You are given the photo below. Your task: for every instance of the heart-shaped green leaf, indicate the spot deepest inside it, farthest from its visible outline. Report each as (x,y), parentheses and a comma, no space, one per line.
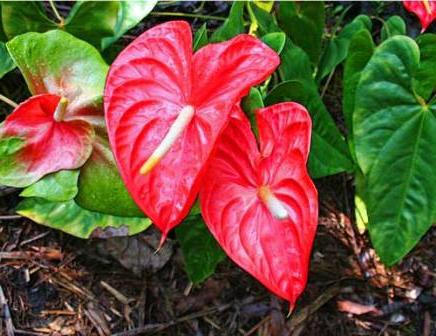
(395,25)
(304,23)
(394,134)
(275,41)
(233,25)
(425,83)
(56,187)
(71,218)
(201,252)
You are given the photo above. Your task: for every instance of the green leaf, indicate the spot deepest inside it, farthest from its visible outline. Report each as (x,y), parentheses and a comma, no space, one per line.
(19,17)
(100,186)
(264,20)
(92,21)
(394,133)
(304,23)
(395,25)
(201,252)
(55,187)
(233,25)
(250,104)
(200,38)
(58,63)
(130,13)
(337,48)
(72,219)
(329,153)
(10,145)
(275,41)
(425,83)
(6,63)
(361,50)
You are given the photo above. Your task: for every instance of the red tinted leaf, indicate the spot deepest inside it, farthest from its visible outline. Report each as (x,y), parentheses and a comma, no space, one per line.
(424,10)
(165,109)
(48,146)
(261,205)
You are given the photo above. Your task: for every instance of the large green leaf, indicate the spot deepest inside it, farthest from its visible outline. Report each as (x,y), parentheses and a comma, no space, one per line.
(337,48)
(201,252)
(233,25)
(425,83)
(395,25)
(394,134)
(361,49)
(72,219)
(100,186)
(329,153)
(304,23)
(58,63)
(6,63)
(129,15)
(55,187)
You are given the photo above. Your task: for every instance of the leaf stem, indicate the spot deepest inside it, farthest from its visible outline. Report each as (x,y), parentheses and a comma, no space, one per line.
(56,13)
(198,16)
(8,101)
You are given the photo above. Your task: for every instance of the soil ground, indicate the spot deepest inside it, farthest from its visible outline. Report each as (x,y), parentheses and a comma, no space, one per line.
(54,284)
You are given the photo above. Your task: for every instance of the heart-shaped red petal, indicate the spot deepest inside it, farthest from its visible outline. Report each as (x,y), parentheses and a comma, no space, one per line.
(261,205)
(165,108)
(424,10)
(48,145)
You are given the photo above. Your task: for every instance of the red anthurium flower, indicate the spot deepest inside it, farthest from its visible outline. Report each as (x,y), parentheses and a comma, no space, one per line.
(49,142)
(165,108)
(260,203)
(425,10)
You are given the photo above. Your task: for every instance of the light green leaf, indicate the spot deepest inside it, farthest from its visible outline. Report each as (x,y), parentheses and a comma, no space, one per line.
(100,186)
(361,49)
(250,104)
(55,187)
(72,219)
(395,25)
(10,145)
(303,22)
(425,83)
(6,63)
(201,252)
(329,153)
(200,38)
(130,13)
(233,25)
(337,48)
(275,41)
(394,133)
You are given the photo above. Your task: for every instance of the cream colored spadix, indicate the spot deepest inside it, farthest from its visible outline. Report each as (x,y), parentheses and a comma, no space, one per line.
(60,109)
(274,205)
(427,6)
(182,121)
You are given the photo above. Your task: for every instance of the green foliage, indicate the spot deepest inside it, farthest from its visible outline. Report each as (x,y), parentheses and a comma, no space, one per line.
(10,145)
(6,63)
(56,187)
(250,104)
(201,252)
(394,134)
(233,25)
(304,23)
(200,38)
(395,25)
(275,41)
(72,219)
(425,83)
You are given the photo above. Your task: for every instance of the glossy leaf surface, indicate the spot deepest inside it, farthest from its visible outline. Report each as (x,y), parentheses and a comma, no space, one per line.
(49,145)
(425,10)
(395,25)
(150,84)
(72,219)
(394,133)
(201,252)
(248,189)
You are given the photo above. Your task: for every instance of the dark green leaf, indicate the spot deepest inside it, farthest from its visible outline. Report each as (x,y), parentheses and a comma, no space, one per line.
(425,83)
(337,48)
(56,187)
(394,134)
(250,104)
(6,63)
(200,38)
(72,219)
(395,25)
(201,252)
(264,20)
(233,25)
(275,41)
(304,23)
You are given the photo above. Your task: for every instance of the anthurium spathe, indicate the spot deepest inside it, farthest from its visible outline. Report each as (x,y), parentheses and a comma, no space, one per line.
(260,203)
(165,107)
(425,10)
(49,143)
